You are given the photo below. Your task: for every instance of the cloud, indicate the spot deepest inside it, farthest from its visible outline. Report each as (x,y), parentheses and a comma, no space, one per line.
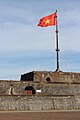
(25,47)
(19,29)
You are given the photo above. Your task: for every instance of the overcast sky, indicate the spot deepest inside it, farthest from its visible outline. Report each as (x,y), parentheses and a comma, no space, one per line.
(26,47)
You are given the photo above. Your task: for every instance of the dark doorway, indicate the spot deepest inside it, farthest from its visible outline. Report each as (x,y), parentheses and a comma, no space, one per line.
(30,88)
(48,79)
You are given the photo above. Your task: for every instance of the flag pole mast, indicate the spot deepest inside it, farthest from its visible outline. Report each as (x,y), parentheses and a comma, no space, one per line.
(57,45)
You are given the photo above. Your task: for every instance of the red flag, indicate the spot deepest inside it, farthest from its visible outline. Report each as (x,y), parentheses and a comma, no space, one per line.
(49,20)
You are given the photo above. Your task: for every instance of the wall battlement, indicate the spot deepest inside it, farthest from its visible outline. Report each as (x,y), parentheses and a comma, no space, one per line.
(49,76)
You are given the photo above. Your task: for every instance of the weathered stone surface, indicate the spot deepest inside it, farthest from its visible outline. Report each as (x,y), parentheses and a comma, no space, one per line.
(18,88)
(59,91)
(24,103)
(69,77)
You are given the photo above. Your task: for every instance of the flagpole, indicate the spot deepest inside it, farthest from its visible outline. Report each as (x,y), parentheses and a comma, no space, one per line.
(57,45)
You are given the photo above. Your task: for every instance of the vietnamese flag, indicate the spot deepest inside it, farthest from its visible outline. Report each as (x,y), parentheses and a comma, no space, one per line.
(49,20)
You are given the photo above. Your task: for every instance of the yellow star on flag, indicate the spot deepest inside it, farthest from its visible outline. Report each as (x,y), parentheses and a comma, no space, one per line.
(47,21)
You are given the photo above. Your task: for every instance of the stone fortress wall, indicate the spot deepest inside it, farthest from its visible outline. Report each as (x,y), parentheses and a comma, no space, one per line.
(49,76)
(18,88)
(38,103)
(59,91)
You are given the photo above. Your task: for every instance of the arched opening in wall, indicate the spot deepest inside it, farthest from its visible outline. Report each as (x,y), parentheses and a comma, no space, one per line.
(48,79)
(29,90)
